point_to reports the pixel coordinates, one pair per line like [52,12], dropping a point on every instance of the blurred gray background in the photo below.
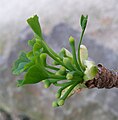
[59,19]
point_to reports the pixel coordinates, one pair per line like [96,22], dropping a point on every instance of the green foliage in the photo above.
[68,71]
[20,64]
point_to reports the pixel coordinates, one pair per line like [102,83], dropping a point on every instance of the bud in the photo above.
[58,73]
[83,21]
[61,102]
[69,76]
[68,63]
[46,83]
[55,104]
[36,48]
[71,40]
[31,42]
[58,95]
[62,70]
[43,57]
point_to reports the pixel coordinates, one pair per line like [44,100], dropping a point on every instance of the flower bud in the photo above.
[58,95]
[55,104]
[61,102]
[46,83]
[43,57]
[69,76]
[68,63]
[71,40]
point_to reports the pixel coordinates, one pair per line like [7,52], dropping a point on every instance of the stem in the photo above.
[52,55]
[72,44]
[65,86]
[55,80]
[69,90]
[51,67]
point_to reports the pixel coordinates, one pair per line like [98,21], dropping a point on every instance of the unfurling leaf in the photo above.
[34,24]
[35,74]
[19,64]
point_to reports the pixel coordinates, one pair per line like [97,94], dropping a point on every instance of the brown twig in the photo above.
[105,78]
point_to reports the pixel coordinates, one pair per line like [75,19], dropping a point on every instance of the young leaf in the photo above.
[30,55]
[34,24]
[31,42]
[18,66]
[35,74]
[37,48]
[83,21]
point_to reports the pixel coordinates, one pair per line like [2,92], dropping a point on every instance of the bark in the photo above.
[105,78]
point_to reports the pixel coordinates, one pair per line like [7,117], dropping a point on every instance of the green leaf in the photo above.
[18,66]
[28,65]
[35,74]
[37,48]
[30,55]
[31,42]
[43,57]
[34,24]
[83,21]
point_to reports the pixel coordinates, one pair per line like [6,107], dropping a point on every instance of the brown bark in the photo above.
[105,78]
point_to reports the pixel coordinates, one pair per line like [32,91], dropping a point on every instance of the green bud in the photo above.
[58,72]
[61,102]
[55,104]
[62,71]
[30,55]
[43,57]
[58,95]
[36,48]
[74,76]
[31,42]
[69,76]
[83,21]
[46,83]
[71,40]
[68,63]
[62,68]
